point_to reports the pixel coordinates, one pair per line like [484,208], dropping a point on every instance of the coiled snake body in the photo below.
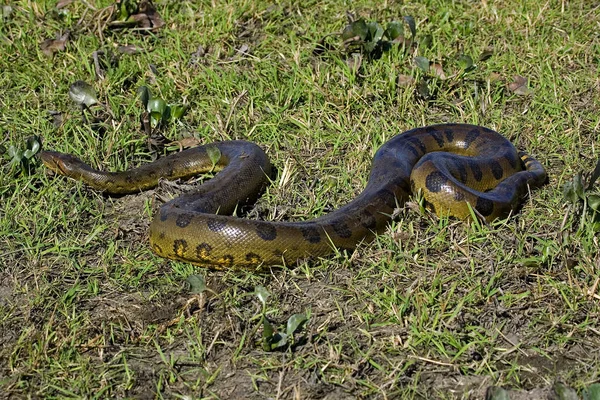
[452,164]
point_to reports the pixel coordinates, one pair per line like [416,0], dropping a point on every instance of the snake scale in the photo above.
[454,165]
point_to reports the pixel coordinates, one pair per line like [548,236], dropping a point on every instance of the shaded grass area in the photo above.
[431,309]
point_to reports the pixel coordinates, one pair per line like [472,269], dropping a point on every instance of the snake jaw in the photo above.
[62,164]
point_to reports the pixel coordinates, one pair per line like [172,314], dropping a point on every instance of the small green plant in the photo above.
[84,95]
[159,112]
[273,339]
[370,39]
[25,158]
[579,193]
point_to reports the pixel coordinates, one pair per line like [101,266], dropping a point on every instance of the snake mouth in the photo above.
[54,162]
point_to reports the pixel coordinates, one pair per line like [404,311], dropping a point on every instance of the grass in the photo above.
[433,308]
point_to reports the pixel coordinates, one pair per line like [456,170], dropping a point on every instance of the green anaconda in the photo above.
[452,164]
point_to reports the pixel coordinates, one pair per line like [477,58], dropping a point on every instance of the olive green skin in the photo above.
[453,165]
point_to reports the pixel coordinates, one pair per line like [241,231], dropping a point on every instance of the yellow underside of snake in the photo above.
[457,167]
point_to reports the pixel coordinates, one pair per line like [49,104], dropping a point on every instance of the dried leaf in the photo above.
[50,46]
[63,3]
[354,61]
[405,80]
[437,69]
[145,18]
[494,77]
[130,49]
[519,86]
[185,143]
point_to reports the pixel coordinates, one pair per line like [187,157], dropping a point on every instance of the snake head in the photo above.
[62,164]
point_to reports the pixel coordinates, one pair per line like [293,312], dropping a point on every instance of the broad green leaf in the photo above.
[155,118]
[394,30]
[267,334]
[197,283]
[279,340]
[166,115]
[348,32]
[422,63]
[569,192]
[563,392]
[157,105]
[128,8]
[465,62]
[295,322]
[261,292]
[593,392]
[214,154]
[594,202]
[375,32]
[33,143]
[411,24]
[157,109]
[28,153]
[369,47]
[14,152]
[177,112]
[82,93]
[145,95]
[497,393]
[357,28]
[426,41]
[578,186]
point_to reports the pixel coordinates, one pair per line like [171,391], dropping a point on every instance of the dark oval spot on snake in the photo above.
[215,225]
[253,258]
[311,234]
[484,206]
[435,181]
[437,135]
[472,135]
[449,135]
[512,159]
[476,170]
[203,250]
[183,219]
[367,219]
[342,229]
[266,231]
[226,261]
[412,149]
[389,198]
[417,142]
[458,170]
[497,169]
[180,246]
